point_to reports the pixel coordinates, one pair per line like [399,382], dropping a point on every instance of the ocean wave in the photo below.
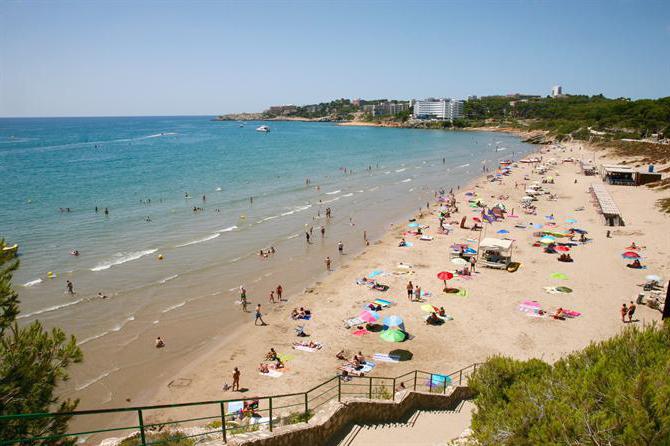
[202,240]
[401,170]
[32,282]
[373,189]
[49,309]
[114,329]
[350,194]
[292,236]
[271,217]
[333,192]
[284,214]
[330,201]
[462,165]
[157,135]
[407,180]
[121,258]
[97,378]
[501,149]
[228,229]
[167,279]
[302,208]
[173,307]
[236,259]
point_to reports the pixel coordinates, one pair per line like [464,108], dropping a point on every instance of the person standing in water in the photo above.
[340,247]
[70,287]
[328,262]
[279,291]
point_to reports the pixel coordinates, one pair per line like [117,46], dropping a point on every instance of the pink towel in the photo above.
[361,332]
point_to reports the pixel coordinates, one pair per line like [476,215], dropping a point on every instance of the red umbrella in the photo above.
[562,248]
[631,255]
[445,275]
[477,219]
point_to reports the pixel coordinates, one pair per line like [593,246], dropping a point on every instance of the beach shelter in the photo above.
[392,335]
[393,321]
[653,278]
[497,253]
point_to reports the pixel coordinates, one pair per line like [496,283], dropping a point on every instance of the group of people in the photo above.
[301,313]
[413,292]
[628,311]
[265,253]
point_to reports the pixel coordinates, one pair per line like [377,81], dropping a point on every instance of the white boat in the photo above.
[263,128]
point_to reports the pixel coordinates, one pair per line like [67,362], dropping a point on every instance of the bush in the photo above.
[166,438]
[616,392]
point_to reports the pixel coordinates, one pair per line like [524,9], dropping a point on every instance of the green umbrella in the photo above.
[393,336]
[559,276]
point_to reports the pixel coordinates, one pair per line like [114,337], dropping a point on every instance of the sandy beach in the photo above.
[486,321]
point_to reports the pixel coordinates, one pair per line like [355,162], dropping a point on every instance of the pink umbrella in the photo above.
[368,316]
[631,255]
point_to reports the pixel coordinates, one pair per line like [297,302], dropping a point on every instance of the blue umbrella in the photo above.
[470,251]
[413,225]
[503,231]
[537,226]
[571,220]
[393,321]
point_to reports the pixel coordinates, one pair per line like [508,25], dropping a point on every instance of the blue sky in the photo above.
[95,58]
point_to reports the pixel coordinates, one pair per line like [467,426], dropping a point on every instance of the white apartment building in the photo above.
[443,109]
[556,91]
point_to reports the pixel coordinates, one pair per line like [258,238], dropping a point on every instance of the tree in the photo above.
[33,361]
[616,392]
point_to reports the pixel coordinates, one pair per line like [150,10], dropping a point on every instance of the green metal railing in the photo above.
[224,421]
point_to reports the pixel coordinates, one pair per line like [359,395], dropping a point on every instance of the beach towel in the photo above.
[426,238]
[354,321]
[462,292]
[375,273]
[361,332]
[383,357]
[571,313]
[272,374]
[364,282]
[285,358]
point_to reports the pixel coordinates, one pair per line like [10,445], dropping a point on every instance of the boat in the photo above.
[10,249]
[263,128]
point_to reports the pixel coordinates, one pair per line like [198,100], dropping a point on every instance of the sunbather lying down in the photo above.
[308,344]
[380,287]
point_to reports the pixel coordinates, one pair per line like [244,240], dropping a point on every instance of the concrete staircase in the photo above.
[423,427]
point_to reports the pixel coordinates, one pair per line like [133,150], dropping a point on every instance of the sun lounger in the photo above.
[426,238]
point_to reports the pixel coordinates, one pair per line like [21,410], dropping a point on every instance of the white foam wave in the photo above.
[122,257]
[114,329]
[32,282]
[174,307]
[350,194]
[334,192]
[292,236]
[167,279]
[302,208]
[228,229]
[49,309]
[96,379]
[407,180]
[236,259]
[202,240]
[330,201]
[284,214]
[501,149]
[271,217]
[401,170]
[462,165]
[373,189]
[158,135]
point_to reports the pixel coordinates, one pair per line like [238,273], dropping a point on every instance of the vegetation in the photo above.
[581,117]
[616,392]
[166,438]
[33,361]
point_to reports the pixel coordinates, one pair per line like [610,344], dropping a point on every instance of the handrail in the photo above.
[221,403]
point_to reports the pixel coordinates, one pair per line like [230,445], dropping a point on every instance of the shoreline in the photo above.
[209,373]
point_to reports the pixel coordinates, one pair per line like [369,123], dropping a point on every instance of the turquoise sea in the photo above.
[150,173]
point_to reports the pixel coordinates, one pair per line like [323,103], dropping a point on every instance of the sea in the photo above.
[168,216]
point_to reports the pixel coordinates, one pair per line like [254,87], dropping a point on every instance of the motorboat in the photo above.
[263,128]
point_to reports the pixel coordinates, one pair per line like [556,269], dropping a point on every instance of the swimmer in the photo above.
[102,296]
[159,342]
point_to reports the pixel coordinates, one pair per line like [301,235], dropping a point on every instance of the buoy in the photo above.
[160,256]
[50,275]
[243,216]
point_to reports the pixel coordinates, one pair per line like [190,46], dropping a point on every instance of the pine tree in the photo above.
[33,361]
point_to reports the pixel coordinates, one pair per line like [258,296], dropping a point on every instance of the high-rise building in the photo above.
[443,109]
[556,91]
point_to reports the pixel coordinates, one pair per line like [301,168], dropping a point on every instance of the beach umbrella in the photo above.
[571,220]
[459,261]
[369,316]
[630,255]
[392,321]
[562,248]
[401,355]
[477,219]
[653,277]
[579,231]
[547,240]
[502,231]
[558,276]
[429,308]
[470,251]
[537,226]
[393,336]
[413,225]
[445,275]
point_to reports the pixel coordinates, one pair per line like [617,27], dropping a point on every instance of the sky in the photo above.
[136,57]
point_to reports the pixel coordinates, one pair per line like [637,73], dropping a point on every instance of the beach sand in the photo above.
[486,322]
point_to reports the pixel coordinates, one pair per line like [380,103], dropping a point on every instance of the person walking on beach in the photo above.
[323,231]
[307,236]
[340,247]
[410,290]
[243,299]
[236,379]
[624,312]
[279,291]
[631,311]
[70,287]
[473,260]
[272,296]
[259,316]
[327,263]
[417,292]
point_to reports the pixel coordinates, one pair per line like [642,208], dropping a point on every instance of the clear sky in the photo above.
[135,57]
